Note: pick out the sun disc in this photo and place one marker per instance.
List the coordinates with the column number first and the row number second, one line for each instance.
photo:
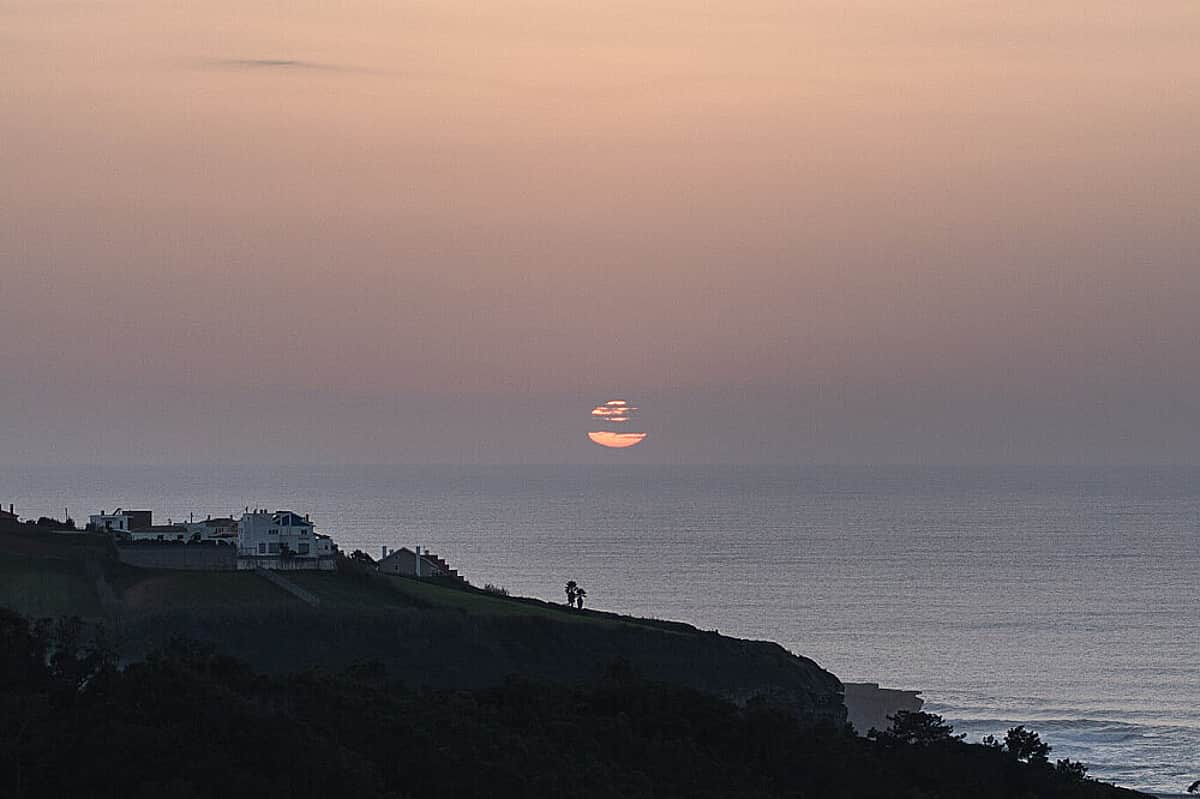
column 616, row 440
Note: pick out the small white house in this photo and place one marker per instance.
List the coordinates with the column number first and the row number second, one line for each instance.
column 282, row 540
column 121, row 521
column 160, row 532
column 222, row 530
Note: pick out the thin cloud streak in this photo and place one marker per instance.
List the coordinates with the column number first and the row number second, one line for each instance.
column 279, row 64
column 617, row 88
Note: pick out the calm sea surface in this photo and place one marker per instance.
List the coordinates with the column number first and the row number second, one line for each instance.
column 1064, row 599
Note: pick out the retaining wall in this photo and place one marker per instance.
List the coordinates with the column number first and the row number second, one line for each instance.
column 326, row 563
column 184, row 557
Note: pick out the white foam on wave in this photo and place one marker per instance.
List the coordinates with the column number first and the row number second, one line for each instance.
column 1150, row 753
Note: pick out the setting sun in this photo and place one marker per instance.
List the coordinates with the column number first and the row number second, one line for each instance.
column 616, row 440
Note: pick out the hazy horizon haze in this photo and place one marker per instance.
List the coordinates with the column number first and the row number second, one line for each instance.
column 816, row 232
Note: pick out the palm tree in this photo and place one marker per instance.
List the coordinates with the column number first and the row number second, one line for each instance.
column 572, row 590
column 579, row 595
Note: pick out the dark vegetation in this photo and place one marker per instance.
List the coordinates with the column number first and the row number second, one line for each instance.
column 929, row 729
column 188, row 722
column 43, row 524
column 405, row 688
column 575, row 594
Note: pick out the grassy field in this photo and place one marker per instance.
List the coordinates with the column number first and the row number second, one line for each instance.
column 340, row 589
column 419, row 631
column 477, row 602
column 154, row 590
column 46, row 587
column 45, row 575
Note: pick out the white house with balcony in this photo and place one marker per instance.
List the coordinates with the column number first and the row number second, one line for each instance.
column 121, row 521
column 282, row 540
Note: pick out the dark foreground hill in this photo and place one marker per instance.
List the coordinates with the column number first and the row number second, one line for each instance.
column 206, row 684
column 442, row 636
column 189, row 723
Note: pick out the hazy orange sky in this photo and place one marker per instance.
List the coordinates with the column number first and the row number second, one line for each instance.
column 369, row 231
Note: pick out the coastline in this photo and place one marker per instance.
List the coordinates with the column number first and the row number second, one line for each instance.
column 869, row 706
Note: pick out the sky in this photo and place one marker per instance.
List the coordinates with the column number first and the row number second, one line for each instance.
column 378, row 231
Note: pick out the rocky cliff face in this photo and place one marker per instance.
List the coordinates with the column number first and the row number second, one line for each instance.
column 868, row 705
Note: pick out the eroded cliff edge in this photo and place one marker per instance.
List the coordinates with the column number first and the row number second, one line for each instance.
column 868, row 705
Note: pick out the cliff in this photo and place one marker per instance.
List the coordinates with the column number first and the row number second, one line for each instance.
column 442, row 636
column 868, row 705
column 392, row 687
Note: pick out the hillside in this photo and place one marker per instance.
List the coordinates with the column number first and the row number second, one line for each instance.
column 424, row 634
column 390, row 687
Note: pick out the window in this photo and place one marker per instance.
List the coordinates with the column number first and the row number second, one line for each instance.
column 302, row 548
column 273, row 548
column 262, row 549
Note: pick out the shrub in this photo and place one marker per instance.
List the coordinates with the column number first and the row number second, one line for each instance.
column 1026, row 745
column 917, row 729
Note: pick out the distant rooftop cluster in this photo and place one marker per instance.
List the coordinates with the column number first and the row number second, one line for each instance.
column 255, row 538
column 265, row 539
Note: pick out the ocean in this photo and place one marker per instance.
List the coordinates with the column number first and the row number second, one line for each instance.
column 1065, row 599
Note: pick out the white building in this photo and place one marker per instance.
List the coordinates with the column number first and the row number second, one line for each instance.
column 282, row 540
column 223, row 530
column 121, row 521
column 160, row 532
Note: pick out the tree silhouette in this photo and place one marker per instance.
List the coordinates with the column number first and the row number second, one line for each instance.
column 1026, row 745
column 572, row 589
column 1072, row 769
column 392, row 740
column 579, row 595
column 915, row 728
